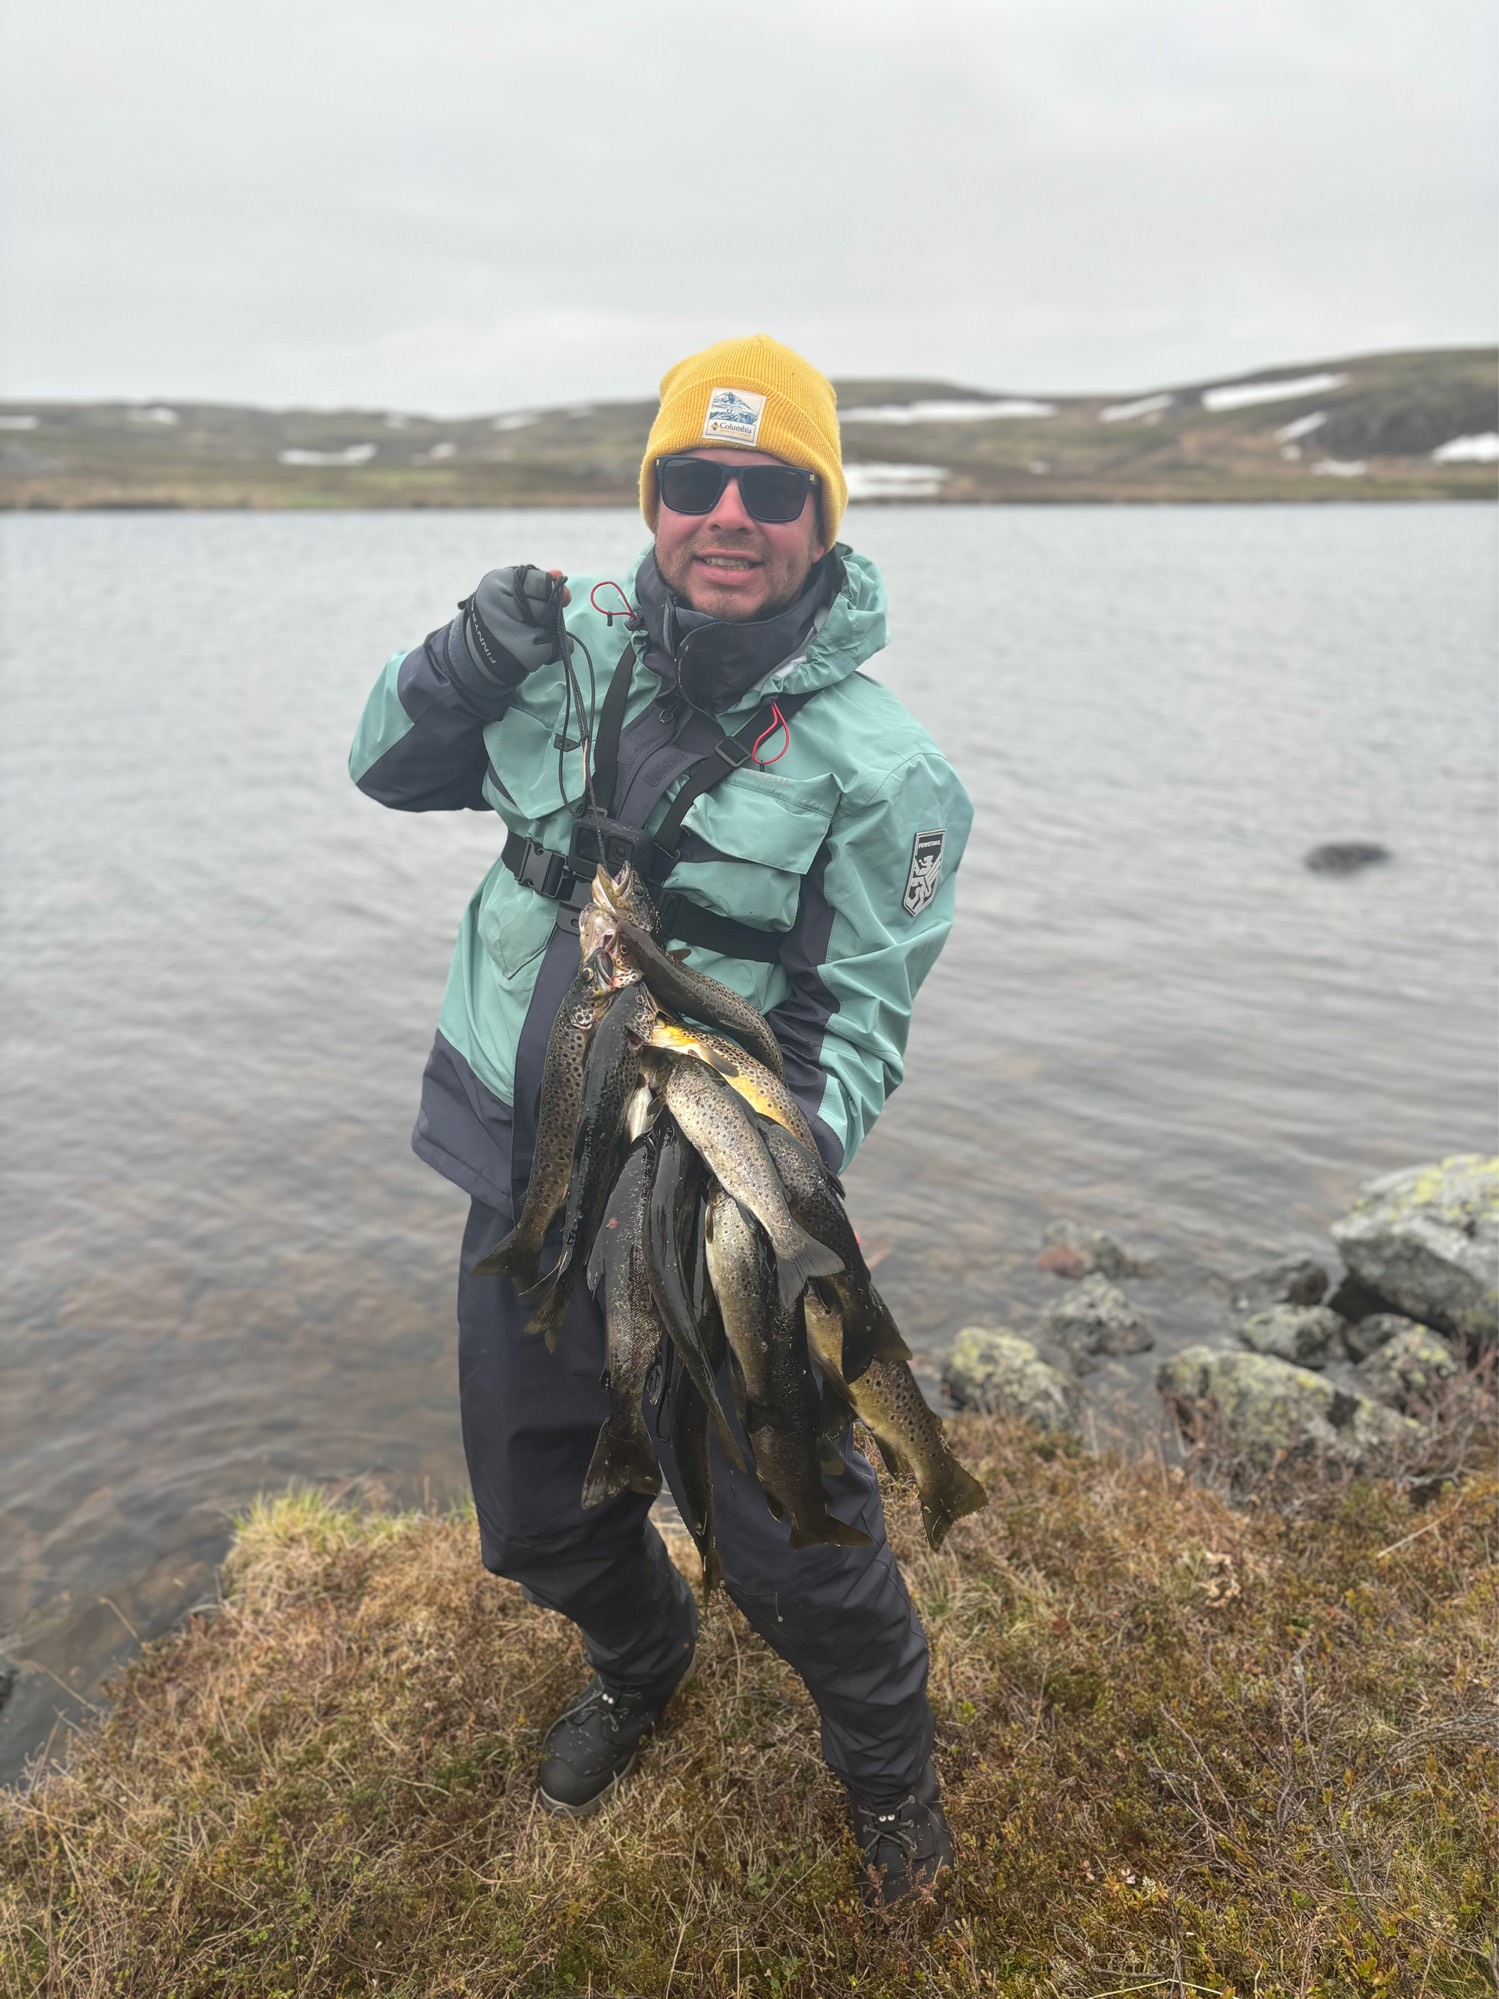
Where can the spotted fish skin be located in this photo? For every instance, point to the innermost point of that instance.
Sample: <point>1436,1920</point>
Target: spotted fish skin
<point>694,993</point>
<point>764,1092</point>
<point>869,1332</point>
<point>518,1256</point>
<point>623,1457</point>
<point>782,1409</point>
<point>724,1132</point>
<point>675,1193</point>
<point>890,1405</point>
<point>610,1078</point>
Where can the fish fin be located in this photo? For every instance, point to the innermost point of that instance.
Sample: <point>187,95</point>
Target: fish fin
<point>795,1272</point>
<point>869,1331</point>
<point>513,1258</point>
<point>712,1571</point>
<point>835,1411</point>
<point>827,1533</point>
<point>620,1461</point>
<point>829,1458</point>
<point>954,1493</point>
<point>895,1463</point>
<point>549,1314</point>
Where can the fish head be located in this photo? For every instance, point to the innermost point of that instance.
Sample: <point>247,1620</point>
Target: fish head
<point>598,967</point>
<point>597,929</point>
<point>625,895</point>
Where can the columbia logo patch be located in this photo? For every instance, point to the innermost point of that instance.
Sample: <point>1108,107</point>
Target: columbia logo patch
<point>734,415</point>
<point>925,877</point>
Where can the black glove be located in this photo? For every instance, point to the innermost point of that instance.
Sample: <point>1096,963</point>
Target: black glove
<point>513,622</point>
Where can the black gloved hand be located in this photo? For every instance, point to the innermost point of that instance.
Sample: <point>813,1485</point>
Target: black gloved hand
<point>513,622</point>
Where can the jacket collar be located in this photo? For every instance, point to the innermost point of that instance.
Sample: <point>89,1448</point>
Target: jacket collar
<point>715,663</point>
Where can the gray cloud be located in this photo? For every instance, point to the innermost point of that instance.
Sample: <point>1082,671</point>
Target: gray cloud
<point>464,206</point>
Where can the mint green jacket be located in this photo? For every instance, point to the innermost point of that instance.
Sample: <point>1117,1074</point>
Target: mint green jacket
<point>849,844</point>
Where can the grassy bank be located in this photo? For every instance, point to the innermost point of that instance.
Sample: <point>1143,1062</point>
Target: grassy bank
<point>1187,1748</point>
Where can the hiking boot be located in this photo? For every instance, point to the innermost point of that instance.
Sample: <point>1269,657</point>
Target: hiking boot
<point>904,1844</point>
<point>595,1744</point>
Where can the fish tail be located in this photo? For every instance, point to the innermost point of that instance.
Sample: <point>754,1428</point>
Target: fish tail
<point>952,1494</point>
<point>549,1314</point>
<point>827,1533</point>
<point>712,1571</point>
<point>620,1460</point>
<point>807,1259</point>
<point>515,1258</point>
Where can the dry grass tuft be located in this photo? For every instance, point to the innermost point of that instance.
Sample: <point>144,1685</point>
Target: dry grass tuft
<point>1187,1748</point>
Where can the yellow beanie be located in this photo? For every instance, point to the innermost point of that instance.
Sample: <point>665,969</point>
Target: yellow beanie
<point>755,395</point>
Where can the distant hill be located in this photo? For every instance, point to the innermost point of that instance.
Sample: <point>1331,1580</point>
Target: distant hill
<point>1380,426</point>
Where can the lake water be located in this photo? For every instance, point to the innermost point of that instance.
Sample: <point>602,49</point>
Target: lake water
<point>224,1269</point>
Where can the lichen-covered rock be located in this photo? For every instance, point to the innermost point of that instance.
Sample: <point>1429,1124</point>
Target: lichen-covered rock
<point>1294,1280</point>
<point>1095,1317</point>
<point>1408,1369</point>
<point>996,1370</point>
<point>1305,1335</point>
<point>1427,1240</point>
<point>1070,1249</point>
<point>1269,1411</point>
<point>1363,1336</point>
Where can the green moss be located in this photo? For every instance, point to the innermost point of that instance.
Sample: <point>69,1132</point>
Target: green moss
<point>1185,1748</point>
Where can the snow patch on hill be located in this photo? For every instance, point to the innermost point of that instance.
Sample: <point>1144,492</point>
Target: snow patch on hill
<point>1241,395</point>
<point>949,412</point>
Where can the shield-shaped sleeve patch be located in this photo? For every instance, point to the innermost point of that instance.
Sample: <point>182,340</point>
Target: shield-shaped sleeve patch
<point>925,876</point>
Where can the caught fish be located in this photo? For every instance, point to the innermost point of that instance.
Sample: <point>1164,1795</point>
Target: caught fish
<point>611,1076</point>
<point>887,1401</point>
<point>625,896</point>
<point>716,1122</point>
<point>518,1256</point>
<point>623,1457</point>
<point>763,1091</point>
<point>694,993</point>
<point>782,1411</point>
<point>675,1194</point>
<point>869,1332</point>
<point>687,1414</point>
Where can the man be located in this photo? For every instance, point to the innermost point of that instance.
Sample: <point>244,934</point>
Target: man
<point>801,833</point>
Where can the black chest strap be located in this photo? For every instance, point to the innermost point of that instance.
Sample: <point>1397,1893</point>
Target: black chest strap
<point>568,878</point>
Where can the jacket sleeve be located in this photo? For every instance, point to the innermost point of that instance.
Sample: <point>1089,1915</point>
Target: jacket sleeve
<point>876,907</point>
<point>420,742</point>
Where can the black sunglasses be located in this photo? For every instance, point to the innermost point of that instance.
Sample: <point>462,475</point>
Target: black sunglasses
<point>771,493</point>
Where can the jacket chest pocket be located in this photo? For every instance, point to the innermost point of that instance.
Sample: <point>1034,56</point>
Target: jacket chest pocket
<point>756,837</point>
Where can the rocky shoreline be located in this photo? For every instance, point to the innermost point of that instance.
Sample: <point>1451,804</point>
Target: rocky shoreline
<point>1357,1376</point>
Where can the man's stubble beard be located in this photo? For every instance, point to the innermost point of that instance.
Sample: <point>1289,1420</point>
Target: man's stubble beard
<point>730,613</point>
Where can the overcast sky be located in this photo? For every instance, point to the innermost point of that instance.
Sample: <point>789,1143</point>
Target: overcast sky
<point>464,205</point>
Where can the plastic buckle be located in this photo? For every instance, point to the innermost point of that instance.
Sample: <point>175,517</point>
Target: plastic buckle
<point>734,753</point>
<point>554,875</point>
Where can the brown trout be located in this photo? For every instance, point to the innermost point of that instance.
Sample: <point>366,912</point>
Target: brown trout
<point>887,1401</point>
<point>727,1136</point>
<point>623,1456</point>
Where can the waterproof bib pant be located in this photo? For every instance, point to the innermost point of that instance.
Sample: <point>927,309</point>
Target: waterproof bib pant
<point>840,1617</point>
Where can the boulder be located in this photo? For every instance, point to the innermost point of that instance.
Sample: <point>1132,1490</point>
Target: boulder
<point>1427,1240</point>
<point>1095,1317</point>
<point>994,1369</point>
<point>1267,1411</point>
<point>1294,1280</point>
<point>1305,1335</point>
<point>1345,857</point>
<point>1072,1250</point>
<point>1409,1369</point>
<point>1364,1336</point>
